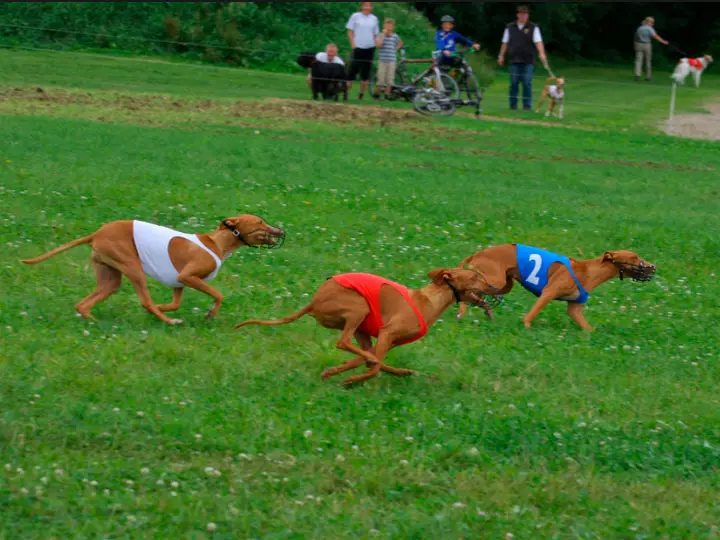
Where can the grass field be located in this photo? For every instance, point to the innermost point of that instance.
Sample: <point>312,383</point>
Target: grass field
<point>124,427</point>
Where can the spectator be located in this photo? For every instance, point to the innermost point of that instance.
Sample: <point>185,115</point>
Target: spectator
<point>389,43</point>
<point>643,47</point>
<point>520,40</point>
<point>330,56</point>
<point>446,40</point>
<point>362,27</point>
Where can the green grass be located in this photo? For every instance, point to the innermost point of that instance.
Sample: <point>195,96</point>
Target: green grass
<point>542,433</point>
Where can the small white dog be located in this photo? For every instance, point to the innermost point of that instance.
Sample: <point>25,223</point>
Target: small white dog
<point>686,66</point>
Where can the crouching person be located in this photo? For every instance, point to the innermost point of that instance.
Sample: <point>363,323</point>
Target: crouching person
<point>327,75</point>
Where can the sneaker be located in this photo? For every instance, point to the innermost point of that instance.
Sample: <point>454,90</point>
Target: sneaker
<point>648,79</point>
<point>637,78</point>
<point>361,96</point>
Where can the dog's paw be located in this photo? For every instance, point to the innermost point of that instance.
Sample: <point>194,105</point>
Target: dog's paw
<point>328,373</point>
<point>175,322</point>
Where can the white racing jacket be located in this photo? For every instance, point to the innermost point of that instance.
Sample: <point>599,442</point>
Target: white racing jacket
<point>153,242</point>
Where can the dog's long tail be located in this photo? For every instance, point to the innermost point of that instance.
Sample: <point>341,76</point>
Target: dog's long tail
<point>278,322</point>
<point>70,245</point>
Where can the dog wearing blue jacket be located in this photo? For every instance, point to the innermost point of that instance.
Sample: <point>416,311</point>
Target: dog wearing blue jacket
<point>550,276</point>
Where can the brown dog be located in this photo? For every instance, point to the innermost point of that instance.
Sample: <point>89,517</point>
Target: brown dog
<point>366,306</point>
<point>554,92</point>
<point>136,248</point>
<point>554,277</point>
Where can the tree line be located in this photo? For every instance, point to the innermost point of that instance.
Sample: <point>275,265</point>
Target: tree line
<point>271,34</point>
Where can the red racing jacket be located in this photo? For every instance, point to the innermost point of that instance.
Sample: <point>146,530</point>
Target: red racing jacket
<point>368,285</point>
<point>695,62</point>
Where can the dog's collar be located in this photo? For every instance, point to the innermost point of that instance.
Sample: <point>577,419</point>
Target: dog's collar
<point>456,293</point>
<point>237,234</point>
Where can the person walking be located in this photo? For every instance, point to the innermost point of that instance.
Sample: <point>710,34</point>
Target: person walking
<point>363,27</point>
<point>643,47</point>
<point>523,43</point>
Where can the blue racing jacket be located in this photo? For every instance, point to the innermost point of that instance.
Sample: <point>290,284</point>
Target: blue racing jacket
<point>534,263</point>
<point>447,41</point>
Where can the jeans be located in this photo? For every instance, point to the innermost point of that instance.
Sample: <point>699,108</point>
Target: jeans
<point>521,73</point>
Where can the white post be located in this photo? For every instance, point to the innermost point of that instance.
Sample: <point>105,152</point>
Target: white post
<point>672,107</point>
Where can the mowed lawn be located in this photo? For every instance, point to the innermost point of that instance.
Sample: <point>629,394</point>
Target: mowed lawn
<point>124,427</point>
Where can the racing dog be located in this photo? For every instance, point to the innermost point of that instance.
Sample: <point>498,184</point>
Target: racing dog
<point>686,66</point>
<point>554,277</point>
<point>136,249</point>
<point>367,306</point>
<point>555,94</point>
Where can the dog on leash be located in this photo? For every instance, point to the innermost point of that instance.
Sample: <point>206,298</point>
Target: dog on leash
<point>136,249</point>
<point>329,81</point>
<point>696,66</point>
<point>367,306</point>
<point>554,92</point>
<point>554,277</point>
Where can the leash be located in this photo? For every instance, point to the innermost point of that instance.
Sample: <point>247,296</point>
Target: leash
<point>546,65</point>
<point>678,49</point>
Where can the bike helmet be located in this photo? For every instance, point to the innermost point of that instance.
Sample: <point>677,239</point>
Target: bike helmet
<point>447,18</point>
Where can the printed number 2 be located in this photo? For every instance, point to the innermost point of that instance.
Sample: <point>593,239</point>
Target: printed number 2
<point>533,277</point>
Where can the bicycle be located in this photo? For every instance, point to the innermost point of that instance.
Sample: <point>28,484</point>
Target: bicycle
<point>462,73</point>
<point>436,104</point>
<point>432,78</point>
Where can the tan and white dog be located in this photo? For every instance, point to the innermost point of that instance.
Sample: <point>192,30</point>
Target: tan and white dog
<point>686,66</point>
<point>554,92</point>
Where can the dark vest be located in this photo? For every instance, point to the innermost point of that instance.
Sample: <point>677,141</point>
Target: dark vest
<point>521,49</point>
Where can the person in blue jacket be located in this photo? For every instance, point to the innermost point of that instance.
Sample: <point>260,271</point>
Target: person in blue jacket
<point>446,40</point>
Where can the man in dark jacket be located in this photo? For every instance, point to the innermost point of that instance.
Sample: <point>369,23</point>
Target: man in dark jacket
<point>523,42</point>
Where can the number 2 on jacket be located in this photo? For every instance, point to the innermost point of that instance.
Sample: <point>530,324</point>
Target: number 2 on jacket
<point>533,277</point>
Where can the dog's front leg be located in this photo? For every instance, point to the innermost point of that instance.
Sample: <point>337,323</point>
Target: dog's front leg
<point>199,285</point>
<point>575,311</point>
<point>176,303</point>
<point>541,302</point>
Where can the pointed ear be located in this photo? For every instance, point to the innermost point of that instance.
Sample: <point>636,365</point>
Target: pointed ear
<point>609,257</point>
<point>439,275</point>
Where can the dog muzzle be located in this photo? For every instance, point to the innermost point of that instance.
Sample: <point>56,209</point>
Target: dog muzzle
<point>273,238</point>
<point>637,272</point>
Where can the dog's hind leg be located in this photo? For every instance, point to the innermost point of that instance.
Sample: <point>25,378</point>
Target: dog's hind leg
<point>382,346</point>
<point>352,322</point>
<point>108,281</point>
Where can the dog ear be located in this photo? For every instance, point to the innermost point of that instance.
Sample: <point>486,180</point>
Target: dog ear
<point>608,257</point>
<point>439,275</point>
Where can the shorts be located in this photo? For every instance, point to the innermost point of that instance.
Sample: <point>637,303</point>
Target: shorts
<point>386,73</point>
<point>361,63</point>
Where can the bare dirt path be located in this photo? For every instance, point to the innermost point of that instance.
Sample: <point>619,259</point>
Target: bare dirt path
<point>697,125</point>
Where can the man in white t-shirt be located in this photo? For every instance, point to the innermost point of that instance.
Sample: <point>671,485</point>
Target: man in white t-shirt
<point>523,41</point>
<point>363,27</point>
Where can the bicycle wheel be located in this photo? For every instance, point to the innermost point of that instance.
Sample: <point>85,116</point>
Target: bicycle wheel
<point>472,88</point>
<point>450,87</point>
<point>433,103</point>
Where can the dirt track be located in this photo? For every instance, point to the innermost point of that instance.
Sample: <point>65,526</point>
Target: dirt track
<point>697,126</point>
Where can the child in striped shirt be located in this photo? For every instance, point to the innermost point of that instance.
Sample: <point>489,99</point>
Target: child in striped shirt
<point>388,43</point>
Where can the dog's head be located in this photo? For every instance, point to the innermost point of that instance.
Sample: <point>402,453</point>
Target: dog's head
<point>708,59</point>
<point>560,81</point>
<point>467,285</point>
<point>631,265</point>
<point>253,231</point>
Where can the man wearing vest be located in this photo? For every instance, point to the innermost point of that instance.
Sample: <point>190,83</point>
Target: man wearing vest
<point>520,40</point>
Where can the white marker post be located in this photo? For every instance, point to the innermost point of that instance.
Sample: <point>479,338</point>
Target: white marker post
<point>672,107</point>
